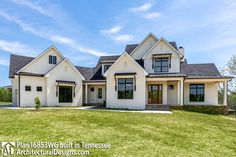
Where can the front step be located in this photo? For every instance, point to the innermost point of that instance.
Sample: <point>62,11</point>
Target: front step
<point>158,107</point>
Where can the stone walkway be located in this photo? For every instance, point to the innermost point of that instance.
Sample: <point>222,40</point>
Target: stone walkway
<point>87,108</point>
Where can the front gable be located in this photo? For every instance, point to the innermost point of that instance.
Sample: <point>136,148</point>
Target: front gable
<point>125,64</point>
<point>144,46</point>
<point>162,48</point>
<point>40,65</point>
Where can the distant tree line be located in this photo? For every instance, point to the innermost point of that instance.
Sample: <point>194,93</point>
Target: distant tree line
<point>229,69</point>
<point>5,95</point>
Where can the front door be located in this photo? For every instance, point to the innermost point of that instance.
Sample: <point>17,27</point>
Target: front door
<point>155,93</point>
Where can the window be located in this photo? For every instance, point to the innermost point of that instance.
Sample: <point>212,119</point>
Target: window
<point>99,93</point>
<point>92,89</point>
<point>125,88</point>
<point>161,65</point>
<point>106,67</point>
<point>65,94</point>
<point>196,92</point>
<point>170,87</point>
<point>39,89</point>
<point>27,88</point>
<point>52,59</point>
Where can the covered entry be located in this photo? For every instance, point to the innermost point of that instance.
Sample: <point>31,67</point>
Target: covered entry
<point>155,94</point>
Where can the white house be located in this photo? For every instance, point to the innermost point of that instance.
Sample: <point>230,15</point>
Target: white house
<point>151,73</point>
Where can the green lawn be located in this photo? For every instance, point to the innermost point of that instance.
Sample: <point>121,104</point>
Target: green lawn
<point>5,103</point>
<point>130,134</point>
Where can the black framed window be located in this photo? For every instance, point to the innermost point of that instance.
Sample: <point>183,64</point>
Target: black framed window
<point>52,59</point>
<point>65,94</point>
<point>125,88</point>
<point>161,64</point>
<point>39,89</point>
<point>106,67</point>
<point>196,92</point>
<point>170,87</point>
<point>92,89</point>
<point>27,88</point>
<point>99,93</point>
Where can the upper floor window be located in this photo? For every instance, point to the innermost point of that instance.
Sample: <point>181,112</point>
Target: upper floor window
<point>52,59</point>
<point>106,67</point>
<point>161,64</point>
<point>125,88</point>
<point>196,92</point>
<point>39,88</point>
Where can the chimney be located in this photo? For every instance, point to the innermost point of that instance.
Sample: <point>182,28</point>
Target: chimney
<point>181,50</point>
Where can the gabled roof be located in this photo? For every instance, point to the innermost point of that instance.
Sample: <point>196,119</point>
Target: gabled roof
<point>124,54</point>
<point>150,34</point>
<point>85,71</point>
<point>17,62</point>
<point>58,65</point>
<point>171,44</point>
<point>129,48</point>
<point>51,47</point>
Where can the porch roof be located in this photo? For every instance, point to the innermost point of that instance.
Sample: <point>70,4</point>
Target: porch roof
<point>66,82</point>
<point>166,75</point>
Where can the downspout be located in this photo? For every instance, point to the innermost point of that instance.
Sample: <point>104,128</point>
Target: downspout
<point>19,89</point>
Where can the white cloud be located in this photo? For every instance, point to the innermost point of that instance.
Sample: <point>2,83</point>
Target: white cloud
<point>44,10</point>
<point>123,38</point>
<point>112,30</point>
<point>152,15</point>
<point>142,8</point>
<point>54,38</point>
<point>4,62</point>
<point>16,47</point>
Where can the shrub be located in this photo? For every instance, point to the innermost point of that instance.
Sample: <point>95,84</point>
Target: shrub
<point>211,109</point>
<point>5,95</point>
<point>37,103</point>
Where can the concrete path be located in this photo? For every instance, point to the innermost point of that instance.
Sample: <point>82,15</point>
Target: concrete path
<point>87,108</point>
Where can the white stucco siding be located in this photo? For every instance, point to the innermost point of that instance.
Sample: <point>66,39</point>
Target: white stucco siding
<point>27,97</point>
<point>144,47</point>
<point>93,95</point>
<point>162,48</point>
<point>126,65</point>
<point>211,94</point>
<point>64,72</point>
<point>172,94</point>
<point>41,65</point>
<point>14,82</point>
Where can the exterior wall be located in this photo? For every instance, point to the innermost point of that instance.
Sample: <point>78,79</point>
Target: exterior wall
<point>125,65</point>
<point>172,95</point>
<point>93,96</point>
<point>41,65</point>
<point>162,48</point>
<point>164,85</point>
<point>64,72</point>
<point>27,97</point>
<point>147,45</point>
<point>211,94</point>
<point>14,82</point>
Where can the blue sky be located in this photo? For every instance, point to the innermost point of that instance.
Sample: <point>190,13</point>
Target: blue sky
<point>84,30</point>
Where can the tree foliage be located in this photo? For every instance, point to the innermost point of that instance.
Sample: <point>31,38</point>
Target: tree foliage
<point>5,95</point>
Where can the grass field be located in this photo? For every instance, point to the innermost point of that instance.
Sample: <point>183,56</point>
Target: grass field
<point>130,134</point>
<point>5,103</point>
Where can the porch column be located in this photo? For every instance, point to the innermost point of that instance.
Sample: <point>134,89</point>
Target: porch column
<point>225,92</point>
<point>182,92</point>
<point>86,94</point>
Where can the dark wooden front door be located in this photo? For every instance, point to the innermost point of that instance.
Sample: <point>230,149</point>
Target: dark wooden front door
<point>155,93</point>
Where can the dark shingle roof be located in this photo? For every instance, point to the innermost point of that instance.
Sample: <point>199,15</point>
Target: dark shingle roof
<point>166,75</point>
<point>130,48</point>
<point>85,71</point>
<point>173,43</point>
<point>109,58</point>
<point>207,70</point>
<point>17,62</point>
